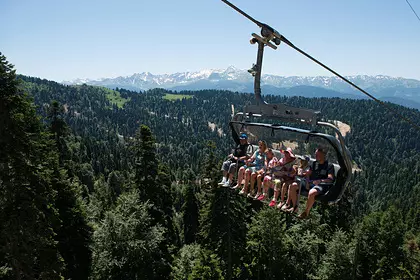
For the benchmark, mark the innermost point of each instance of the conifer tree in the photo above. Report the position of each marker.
(27, 212)
(58, 127)
(190, 212)
(195, 262)
(126, 244)
(224, 229)
(74, 233)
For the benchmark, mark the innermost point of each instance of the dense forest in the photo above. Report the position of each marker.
(114, 184)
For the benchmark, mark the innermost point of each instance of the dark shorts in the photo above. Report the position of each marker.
(321, 188)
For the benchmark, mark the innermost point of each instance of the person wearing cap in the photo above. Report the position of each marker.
(283, 176)
(239, 154)
(320, 175)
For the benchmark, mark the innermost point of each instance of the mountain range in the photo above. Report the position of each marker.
(401, 91)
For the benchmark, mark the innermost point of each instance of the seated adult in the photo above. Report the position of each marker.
(239, 154)
(254, 165)
(283, 176)
(321, 177)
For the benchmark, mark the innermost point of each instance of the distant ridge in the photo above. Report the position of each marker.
(398, 90)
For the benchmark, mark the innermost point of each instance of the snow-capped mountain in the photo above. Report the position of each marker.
(240, 80)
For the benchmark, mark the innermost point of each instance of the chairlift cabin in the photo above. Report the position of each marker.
(303, 142)
(264, 121)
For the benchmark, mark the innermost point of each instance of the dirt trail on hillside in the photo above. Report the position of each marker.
(343, 127)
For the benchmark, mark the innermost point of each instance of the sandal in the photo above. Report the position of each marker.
(285, 207)
(281, 204)
(235, 187)
(272, 203)
(292, 210)
(303, 215)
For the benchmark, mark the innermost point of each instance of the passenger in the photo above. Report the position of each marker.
(272, 161)
(254, 166)
(283, 176)
(301, 171)
(321, 177)
(230, 165)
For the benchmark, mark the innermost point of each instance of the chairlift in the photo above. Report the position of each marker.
(264, 121)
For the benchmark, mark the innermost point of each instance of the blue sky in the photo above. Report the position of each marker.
(63, 40)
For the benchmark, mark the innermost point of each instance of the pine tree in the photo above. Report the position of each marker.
(224, 229)
(74, 233)
(147, 164)
(190, 213)
(58, 127)
(127, 244)
(337, 262)
(195, 262)
(154, 185)
(27, 213)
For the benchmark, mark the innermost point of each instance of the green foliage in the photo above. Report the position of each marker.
(266, 245)
(195, 262)
(337, 262)
(126, 244)
(379, 240)
(223, 228)
(147, 164)
(74, 234)
(190, 210)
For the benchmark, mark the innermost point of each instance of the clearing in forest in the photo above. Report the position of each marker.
(172, 97)
(114, 97)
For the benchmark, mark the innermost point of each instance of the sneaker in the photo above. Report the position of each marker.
(272, 203)
(261, 197)
(222, 182)
(257, 195)
(226, 184)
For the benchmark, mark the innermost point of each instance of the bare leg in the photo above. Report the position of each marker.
(247, 178)
(311, 199)
(231, 177)
(240, 176)
(293, 193)
(266, 184)
(253, 177)
(283, 191)
(259, 183)
(277, 187)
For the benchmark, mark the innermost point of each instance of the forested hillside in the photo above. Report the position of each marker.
(110, 185)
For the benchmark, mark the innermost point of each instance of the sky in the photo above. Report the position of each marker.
(65, 40)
